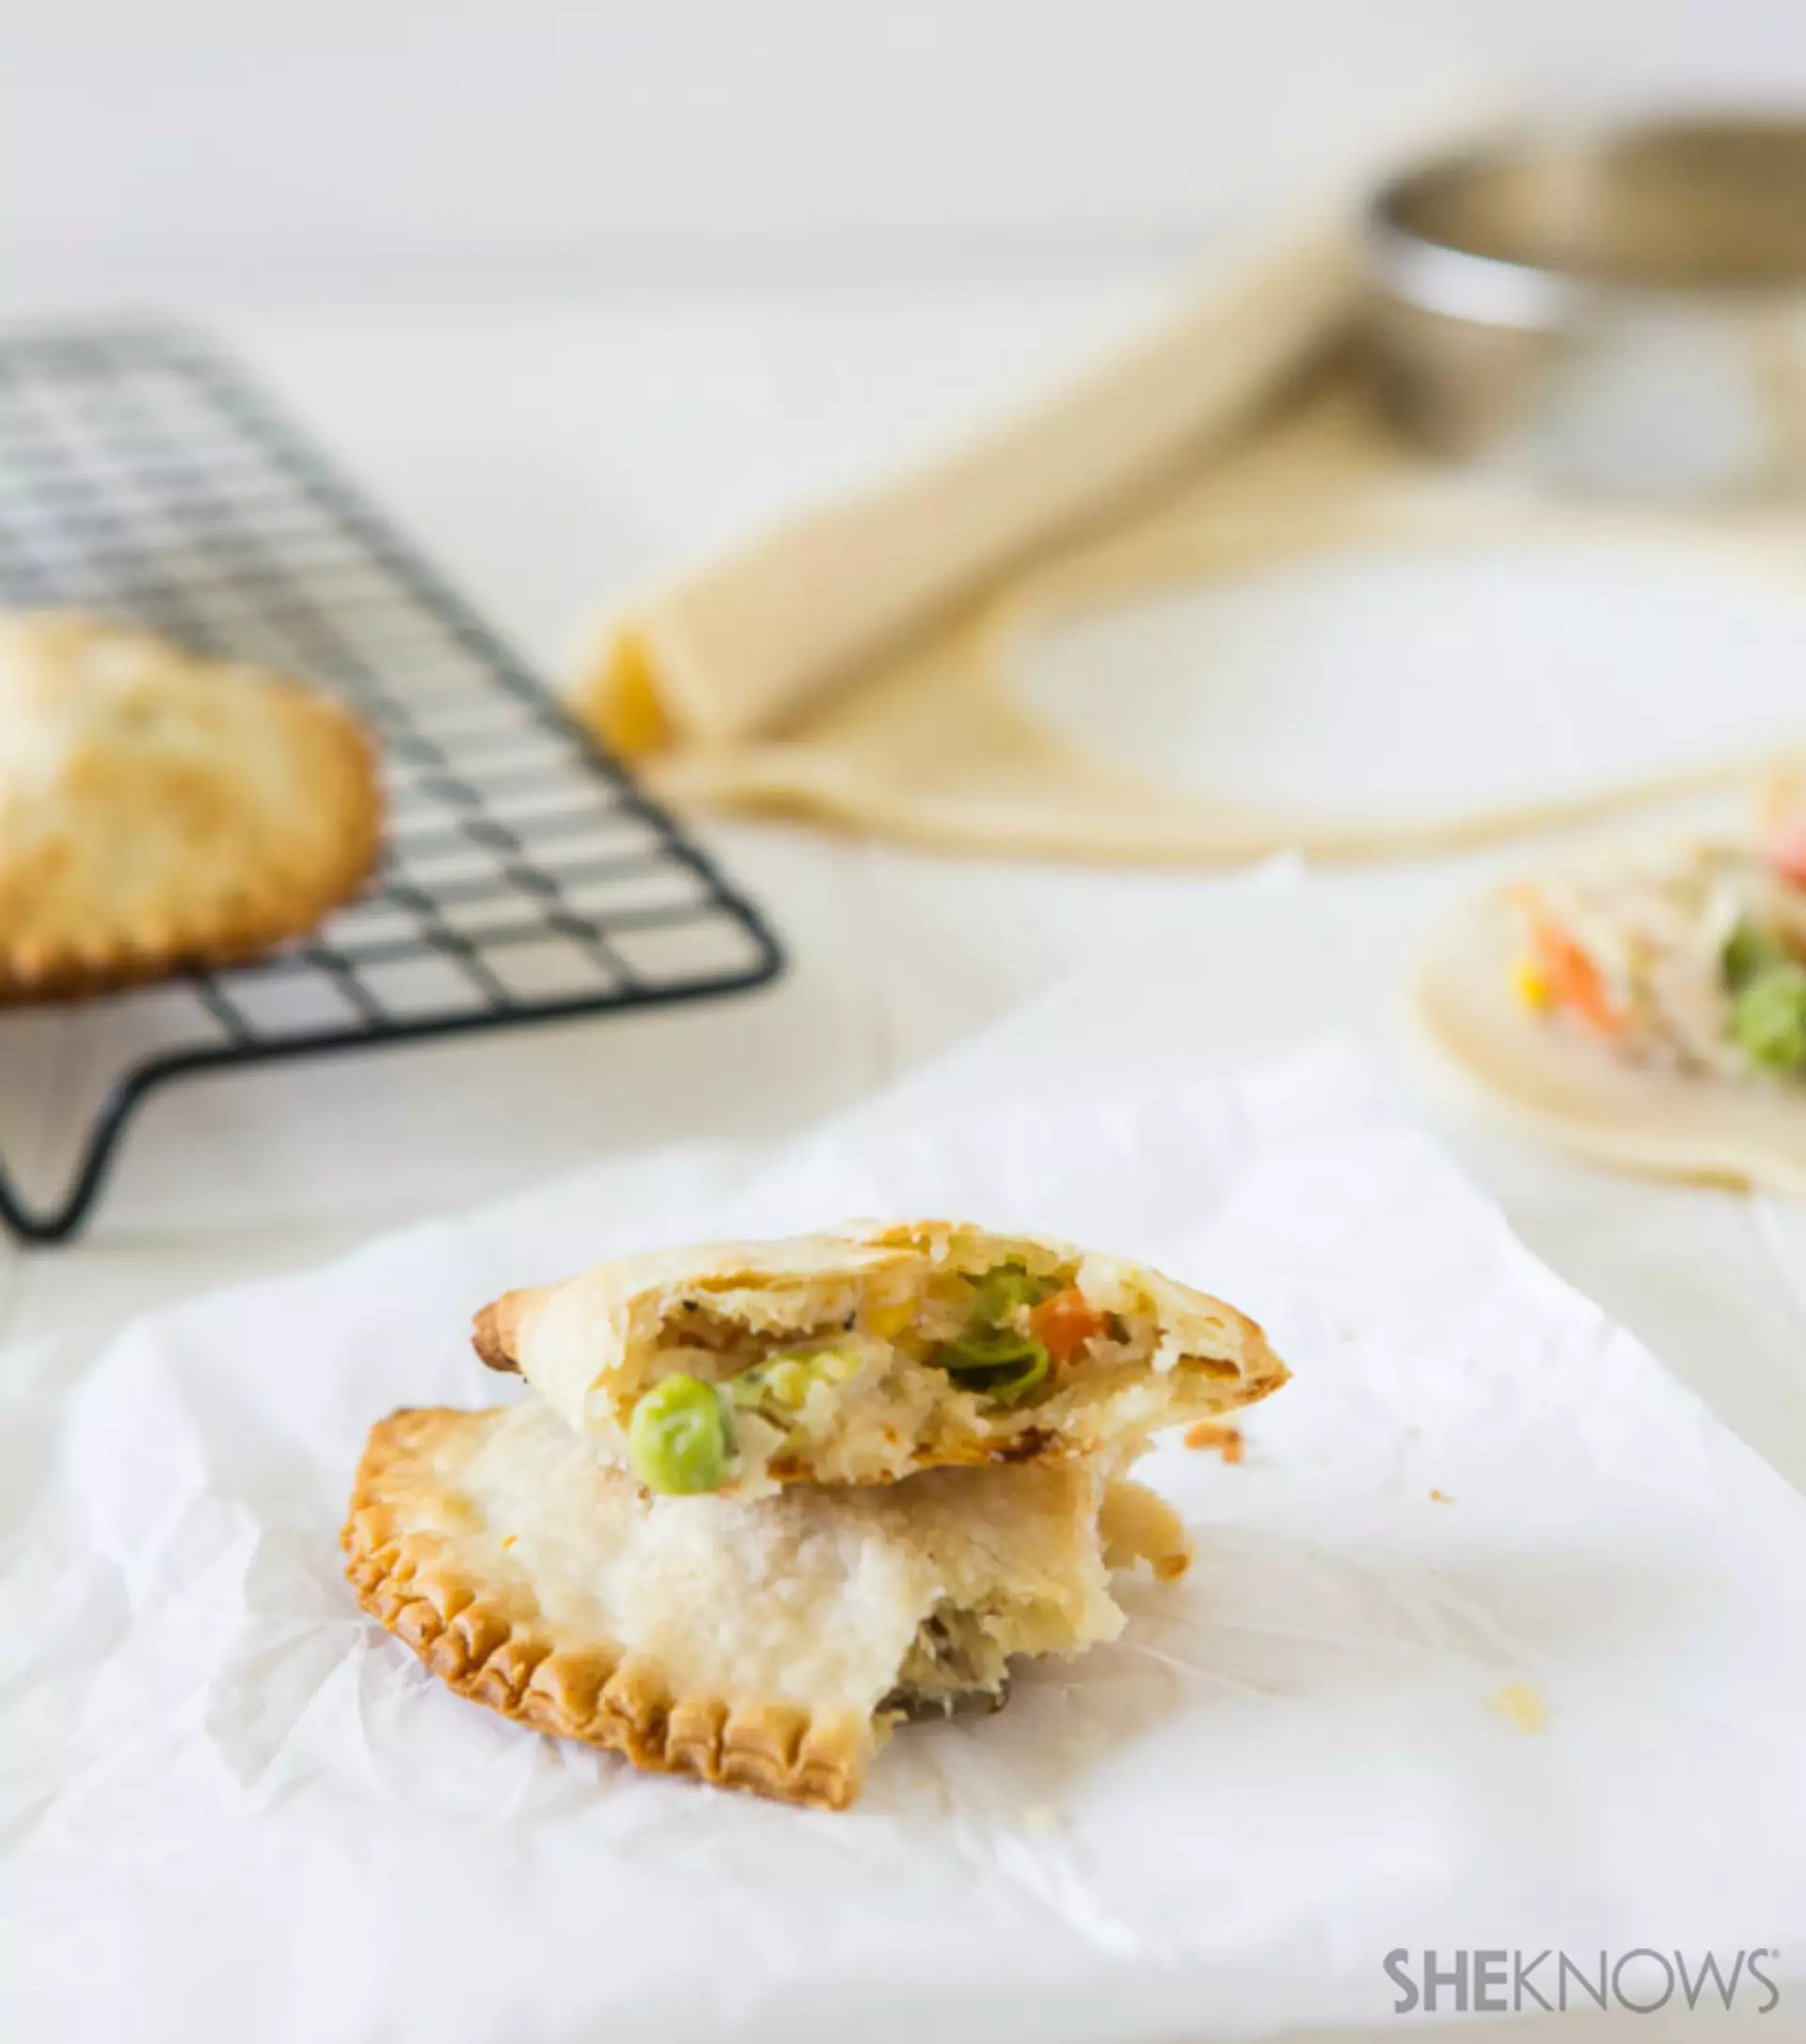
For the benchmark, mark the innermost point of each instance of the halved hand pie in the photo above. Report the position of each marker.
(158, 809)
(767, 1644)
(863, 1355)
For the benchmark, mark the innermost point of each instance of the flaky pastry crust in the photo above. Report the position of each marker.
(490, 1641)
(777, 1640)
(160, 811)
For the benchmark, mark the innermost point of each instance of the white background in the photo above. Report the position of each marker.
(302, 145)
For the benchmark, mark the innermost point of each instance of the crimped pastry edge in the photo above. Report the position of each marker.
(98, 962)
(494, 1647)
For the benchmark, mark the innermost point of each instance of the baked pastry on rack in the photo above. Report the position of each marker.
(869, 1351)
(159, 810)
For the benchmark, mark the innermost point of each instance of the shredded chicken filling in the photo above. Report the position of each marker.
(1694, 960)
(980, 1361)
(956, 1659)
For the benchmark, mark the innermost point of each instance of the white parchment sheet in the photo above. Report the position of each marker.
(231, 1808)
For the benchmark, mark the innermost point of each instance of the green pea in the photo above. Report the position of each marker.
(1768, 1018)
(998, 1294)
(1749, 952)
(680, 1439)
(1001, 1363)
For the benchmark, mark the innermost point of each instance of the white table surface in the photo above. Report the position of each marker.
(553, 452)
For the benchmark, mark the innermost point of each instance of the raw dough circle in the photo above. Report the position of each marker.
(1364, 684)
(1578, 1094)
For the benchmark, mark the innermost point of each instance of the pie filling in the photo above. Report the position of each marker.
(958, 1661)
(959, 1365)
(1693, 959)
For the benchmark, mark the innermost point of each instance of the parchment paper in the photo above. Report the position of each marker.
(233, 1808)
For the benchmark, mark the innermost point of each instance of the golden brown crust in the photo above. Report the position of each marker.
(126, 853)
(1138, 1525)
(495, 1333)
(1226, 1441)
(491, 1642)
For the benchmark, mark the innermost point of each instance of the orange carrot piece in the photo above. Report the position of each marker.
(1064, 1324)
(1574, 980)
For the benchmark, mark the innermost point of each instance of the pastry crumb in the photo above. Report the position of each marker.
(509, 1539)
(1522, 1703)
(1213, 1433)
(1440, 1497)
(1042, 1819)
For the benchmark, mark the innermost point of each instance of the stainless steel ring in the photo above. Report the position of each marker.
(1623, 310)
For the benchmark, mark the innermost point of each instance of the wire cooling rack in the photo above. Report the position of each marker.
(525, 878)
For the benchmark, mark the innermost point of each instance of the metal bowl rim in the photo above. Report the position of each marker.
(1460, 281)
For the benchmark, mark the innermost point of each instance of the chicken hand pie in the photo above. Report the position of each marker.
(1646, 1005)
(158, 809)
(767, 1644)
(866, 1353)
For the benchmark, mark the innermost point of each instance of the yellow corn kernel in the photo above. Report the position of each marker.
(1530, 987)
(787, 1380)
(888, 1320)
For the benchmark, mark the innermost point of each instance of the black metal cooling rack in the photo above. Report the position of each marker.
(526, 877)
